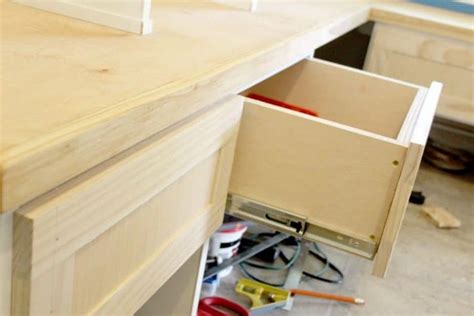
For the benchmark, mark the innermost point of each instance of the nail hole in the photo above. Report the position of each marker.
(372, 237)
(395, 162)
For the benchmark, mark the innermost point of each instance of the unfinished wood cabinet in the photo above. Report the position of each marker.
(114, 167)
(420, 57)
(343, 178)
(105, 242)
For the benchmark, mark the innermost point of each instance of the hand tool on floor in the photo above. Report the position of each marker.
(329, 296)
(294, 277)
(215, 306)
(265, 298)
(245, 255)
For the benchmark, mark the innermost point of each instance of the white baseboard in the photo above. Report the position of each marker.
(131, 16)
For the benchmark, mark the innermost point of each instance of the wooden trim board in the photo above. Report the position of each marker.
(407, 180)
(131, 15)
(200, 272)
(180, 294)
(6, 231)
(426, 19)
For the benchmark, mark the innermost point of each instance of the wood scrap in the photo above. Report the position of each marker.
(441, 217)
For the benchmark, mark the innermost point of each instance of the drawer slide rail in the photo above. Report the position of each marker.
(296, 225)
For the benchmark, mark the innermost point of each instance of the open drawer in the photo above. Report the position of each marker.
(343, 178)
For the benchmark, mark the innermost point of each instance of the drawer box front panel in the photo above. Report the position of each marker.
(126, 219)
(333, 176)
(338, 175)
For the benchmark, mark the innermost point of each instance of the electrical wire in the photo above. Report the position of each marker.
(253, 277)
(289, 262)
(321, 256)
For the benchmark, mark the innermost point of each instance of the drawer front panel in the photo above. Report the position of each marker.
(180, 178)
(183, 208)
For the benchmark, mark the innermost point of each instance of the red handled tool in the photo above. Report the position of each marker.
(215, 306)
(282, 104)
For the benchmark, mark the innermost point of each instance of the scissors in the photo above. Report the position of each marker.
(215, 306)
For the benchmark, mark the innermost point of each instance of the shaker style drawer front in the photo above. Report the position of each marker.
(342, 178)
(418, 57)
(104, 243)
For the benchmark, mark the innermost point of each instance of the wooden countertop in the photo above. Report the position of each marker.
(75, 94)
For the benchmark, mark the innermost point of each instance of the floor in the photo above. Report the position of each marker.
(432, 271)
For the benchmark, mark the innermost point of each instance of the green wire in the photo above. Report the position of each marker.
(249, 275)
(290, 263)
(326, 266)
(277, 268)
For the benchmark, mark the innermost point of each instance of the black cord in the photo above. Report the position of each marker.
(253, 277)
(321, 256)
(288, 262)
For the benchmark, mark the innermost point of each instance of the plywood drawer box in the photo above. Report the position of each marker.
(106, 241)
(343, 178)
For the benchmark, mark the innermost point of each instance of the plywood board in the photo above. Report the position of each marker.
(101, 82)
(338, 177)
(407, 180)
(131, 15)
(343, 95)
(250, 5)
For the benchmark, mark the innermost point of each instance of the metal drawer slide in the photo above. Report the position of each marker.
(296, 225)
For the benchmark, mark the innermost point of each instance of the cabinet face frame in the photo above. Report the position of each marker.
(52, 235)
(181, 293)
(285, 161)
